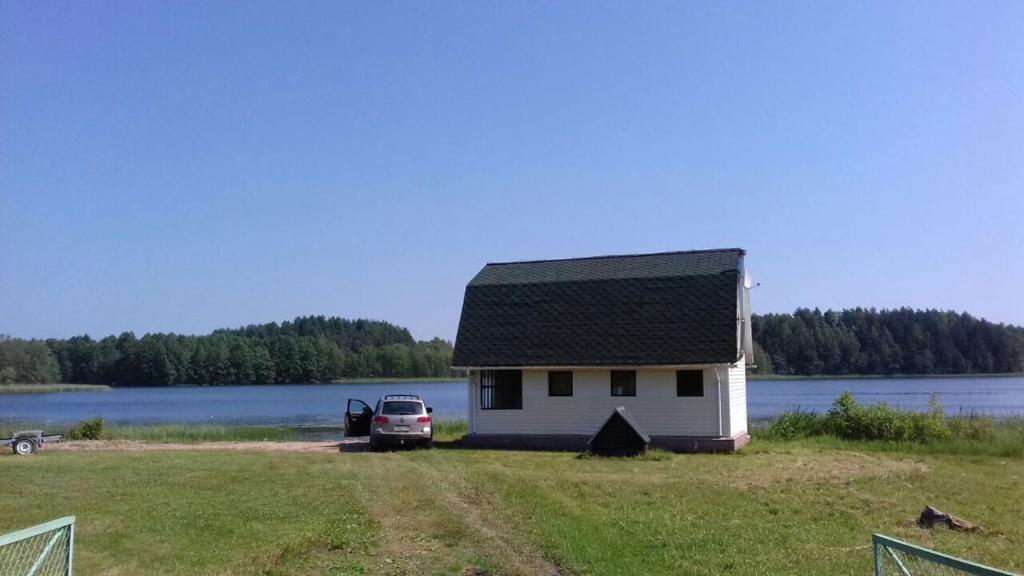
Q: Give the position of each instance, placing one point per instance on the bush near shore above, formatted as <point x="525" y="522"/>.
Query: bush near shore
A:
<point x="930" y="430"/>
<point x="91" y="429"/>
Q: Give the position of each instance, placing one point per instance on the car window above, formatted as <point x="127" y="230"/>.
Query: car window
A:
<point x="403" y="408"/>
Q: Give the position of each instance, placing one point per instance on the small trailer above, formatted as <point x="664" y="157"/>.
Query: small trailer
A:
<point x="26" y="442"/>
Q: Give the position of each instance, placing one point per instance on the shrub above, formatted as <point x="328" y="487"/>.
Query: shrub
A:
<point x="87" y="430"/>
<point x="849" y="420"/>
<point x="972" y="427"/>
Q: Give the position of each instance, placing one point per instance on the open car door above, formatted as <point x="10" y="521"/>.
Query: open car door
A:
<point x="357" y="418"/>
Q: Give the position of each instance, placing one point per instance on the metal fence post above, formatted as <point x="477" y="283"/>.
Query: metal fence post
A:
<point x="71" y="545"/>
<point x="878" y="554"/>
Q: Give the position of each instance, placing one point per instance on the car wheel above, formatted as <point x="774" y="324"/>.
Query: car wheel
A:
<point x="24" y="447"/>
<point x="428" y="443"/>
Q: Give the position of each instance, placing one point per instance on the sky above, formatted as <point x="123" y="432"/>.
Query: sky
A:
<point x="181" y="166"/>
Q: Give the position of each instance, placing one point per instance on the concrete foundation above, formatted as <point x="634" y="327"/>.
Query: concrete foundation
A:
<point x="578" y="443"/>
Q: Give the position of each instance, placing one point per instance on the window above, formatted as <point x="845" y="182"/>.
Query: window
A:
<point x="403" y="408"/>
<point x="501" y="390"/>
<point x="689" y="382"/>
<point x="560" y="383"/>
<point x="623" y="382"/>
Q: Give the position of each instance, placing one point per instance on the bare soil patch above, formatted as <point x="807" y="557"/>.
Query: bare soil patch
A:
<point x="136" y="446"/>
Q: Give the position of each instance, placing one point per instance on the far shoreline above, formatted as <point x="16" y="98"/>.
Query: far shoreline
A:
<point x="785" y="377"/>
<point x="403" y="380"/>
<point x="51" y="388"/>
<point x="46" y="388"/>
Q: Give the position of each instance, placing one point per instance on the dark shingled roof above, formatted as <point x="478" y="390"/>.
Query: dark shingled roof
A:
<point x="646" y="309"/>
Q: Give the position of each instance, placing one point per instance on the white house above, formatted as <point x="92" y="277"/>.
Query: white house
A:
<point x="552" y="347"/>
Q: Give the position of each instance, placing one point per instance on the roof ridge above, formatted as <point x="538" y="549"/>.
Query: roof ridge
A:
<point x="608" y="256"/>
<point x="594" y="280"/>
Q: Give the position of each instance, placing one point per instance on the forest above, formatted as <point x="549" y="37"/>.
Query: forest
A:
<point x="320" y="349"/>
<point x="305" y="350"/>
<point x="884" y="342"/>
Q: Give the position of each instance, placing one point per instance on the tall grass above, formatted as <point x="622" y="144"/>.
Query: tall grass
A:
<point x="928" y="431"/>
<point x="195" y="433"/>
<point x="444" y="431"/>
<point x="450" y="430"/>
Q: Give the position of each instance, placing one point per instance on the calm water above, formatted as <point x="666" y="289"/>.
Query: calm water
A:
<point x="323" y="405"/>
<point x="990" y="396"/>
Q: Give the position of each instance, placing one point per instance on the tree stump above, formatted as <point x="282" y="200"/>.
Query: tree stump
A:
<point x="932" y="516"/>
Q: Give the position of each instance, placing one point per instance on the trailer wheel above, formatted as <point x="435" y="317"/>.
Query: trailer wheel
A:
<point x="24" y="447"/>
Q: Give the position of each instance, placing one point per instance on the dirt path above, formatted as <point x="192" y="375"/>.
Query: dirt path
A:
<point x="510" y="549"/>
<point x="447" y="523"/>
<point x="136" y="446"/>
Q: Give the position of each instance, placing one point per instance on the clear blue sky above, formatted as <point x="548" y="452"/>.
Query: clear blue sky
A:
<point x="182" y="166"/>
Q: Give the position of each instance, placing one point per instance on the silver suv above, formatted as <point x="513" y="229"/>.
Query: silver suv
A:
<point x="398" y="420"/>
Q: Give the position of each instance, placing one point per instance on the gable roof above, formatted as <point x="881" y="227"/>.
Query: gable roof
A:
<point x="668" y="308"/>
<point x="627" y="419"/>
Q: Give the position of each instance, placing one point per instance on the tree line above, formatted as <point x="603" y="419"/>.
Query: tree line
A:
<point x="305" y="350"/>
<point x="320" y="349"/>
<point x="884" y="342"/>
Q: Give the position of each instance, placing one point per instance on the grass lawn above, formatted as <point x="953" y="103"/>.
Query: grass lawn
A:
<point x="801" y="507"/>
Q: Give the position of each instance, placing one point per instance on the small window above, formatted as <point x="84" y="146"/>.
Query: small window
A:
<point x="560" y="383"/>
<point x="623" y="382"/>
<point x="689" y="382"/>
<point x="501" y="390"/>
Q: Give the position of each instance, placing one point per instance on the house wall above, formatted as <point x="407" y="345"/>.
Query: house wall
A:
<point x="655" y="407"/>
<point x="736" y="415"/>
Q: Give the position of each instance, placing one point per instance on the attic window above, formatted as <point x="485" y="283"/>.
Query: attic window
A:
<point x="689" y="383"/>
<point x="623" y="382"/>
<point x="560" y="383"/>
<point x="501" y="390"/>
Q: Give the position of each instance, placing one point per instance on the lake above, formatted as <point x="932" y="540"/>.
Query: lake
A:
<point x="323" y="404"/>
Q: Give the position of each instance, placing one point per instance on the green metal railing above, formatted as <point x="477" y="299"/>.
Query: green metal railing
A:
<point x="897" y="558"/>
<point x="43" y="550"/>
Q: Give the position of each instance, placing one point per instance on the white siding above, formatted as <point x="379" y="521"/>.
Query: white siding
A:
<point x="736" y="420"/>
<point x="655" y="407"/>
